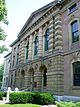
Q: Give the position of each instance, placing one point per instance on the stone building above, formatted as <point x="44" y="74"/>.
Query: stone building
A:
<point x="46" y="54"/>
<point x="5" y="80"/>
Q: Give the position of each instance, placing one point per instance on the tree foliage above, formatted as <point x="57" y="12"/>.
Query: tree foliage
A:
<point x="3" y="19"/>
<point x="1" y="71"/>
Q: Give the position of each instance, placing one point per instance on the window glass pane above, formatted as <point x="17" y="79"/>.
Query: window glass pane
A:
<point x="44" y="79"/>
<point x="46" y="39"/>
<point x="27" y="49"/>
<point x="72" y="8"/>
<point x="36" y="46"/>
<point x="75" y="33"/>
<point x="75" y="26"/>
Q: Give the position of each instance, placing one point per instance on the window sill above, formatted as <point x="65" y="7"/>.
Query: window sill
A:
<point x="75" y="87"/>
<point x="46" y="52"/>
<point x="75" y="45"/>
<point x="36" y="56"/>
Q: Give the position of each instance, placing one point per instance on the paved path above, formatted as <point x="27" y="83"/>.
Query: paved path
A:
<point x="2" y="102"/>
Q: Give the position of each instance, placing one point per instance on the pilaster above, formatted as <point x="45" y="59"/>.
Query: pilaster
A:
<point x="40" y="42"/>
<point x="30" y="48"/>
<point x="51" y="34"/>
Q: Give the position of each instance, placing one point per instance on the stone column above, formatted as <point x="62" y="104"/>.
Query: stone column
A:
<point x="51" y="35"/>
<point x="40" y="42"/>
<point x="30" y="48"/>
<point x="58" y="32"/>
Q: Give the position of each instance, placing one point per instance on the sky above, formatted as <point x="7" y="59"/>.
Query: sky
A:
<point x="18" y="13"/>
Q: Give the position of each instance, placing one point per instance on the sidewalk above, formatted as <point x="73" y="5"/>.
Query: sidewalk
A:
<point x="2" y="102"/>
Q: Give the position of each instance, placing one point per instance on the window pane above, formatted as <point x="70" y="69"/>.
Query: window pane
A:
<point x="72" y="8"/>
<point x="46" y="39"/>
<point x="27" y="52"/>
<point x="44" y="79"/>
<point x="74" y="26"/>
<point x="36" y="46"/>
<point x="27" y="49"/>
<point x="75" y="33"/>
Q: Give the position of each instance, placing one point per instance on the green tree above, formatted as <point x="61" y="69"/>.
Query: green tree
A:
<point x="1" y="74"/>
<point x="1" y="71"/>
<point x="3" y="19"/>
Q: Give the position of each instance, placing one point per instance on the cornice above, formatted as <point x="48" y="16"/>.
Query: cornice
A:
<point x="47" y="13"/>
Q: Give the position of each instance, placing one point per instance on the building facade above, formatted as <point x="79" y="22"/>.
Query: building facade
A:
<point x="5" y="80"/>
<point x="46" y="54"/>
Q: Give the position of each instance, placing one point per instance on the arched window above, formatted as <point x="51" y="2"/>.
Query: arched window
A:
<point x="46" y="39"/>
<point x="74" y="31"/>
<point x="36" y="46"/>
<point x="76" y="73"/>
<point x="45" y="78"/>
<point x="27" y="50"/>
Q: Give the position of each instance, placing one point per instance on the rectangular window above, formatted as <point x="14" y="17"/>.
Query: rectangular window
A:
<point x="74" y="30"/>
<point x="72" y="8"/>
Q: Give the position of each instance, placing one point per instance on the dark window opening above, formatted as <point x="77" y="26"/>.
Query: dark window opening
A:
<point x="76" y="73"/>
<point x="46" y="39"/>
<point x="36" y="46"/>
<point x="72" y="8"/>
<point x="44" y="78"/>
<point x="27" y="50"/>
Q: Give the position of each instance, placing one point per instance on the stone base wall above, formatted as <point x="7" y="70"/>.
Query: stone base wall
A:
<point x="32" y="78"/>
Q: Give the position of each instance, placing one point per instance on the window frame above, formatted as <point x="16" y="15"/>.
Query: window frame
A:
<point x="72" y="8"/>
<point x="46" y="46"/>
<point x="36" y="43"/>
<point x="73" y="31"/>
<point x="44" y="78"/>
<point x="27" y="51"/>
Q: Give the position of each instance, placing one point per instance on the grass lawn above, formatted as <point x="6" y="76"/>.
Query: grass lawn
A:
<point x="20" y="105"/>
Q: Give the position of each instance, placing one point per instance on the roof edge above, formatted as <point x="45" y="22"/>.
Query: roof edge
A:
<point x="14" y="42"/>
<point x="7" y="55"/>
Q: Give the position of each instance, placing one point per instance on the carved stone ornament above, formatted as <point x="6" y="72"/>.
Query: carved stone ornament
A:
<point x="36" y="66"/>
<point x="49" y="62"/>
<point x="75" y="55"/>
<point x="71" y="18"/>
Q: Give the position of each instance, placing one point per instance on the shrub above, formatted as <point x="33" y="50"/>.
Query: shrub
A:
<point x="16" y="98"/>
<point x="46" y="98"/>
<point x="31" y="97"/>
<point x="77" y="104"/>
<point x="2" y="94"/>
